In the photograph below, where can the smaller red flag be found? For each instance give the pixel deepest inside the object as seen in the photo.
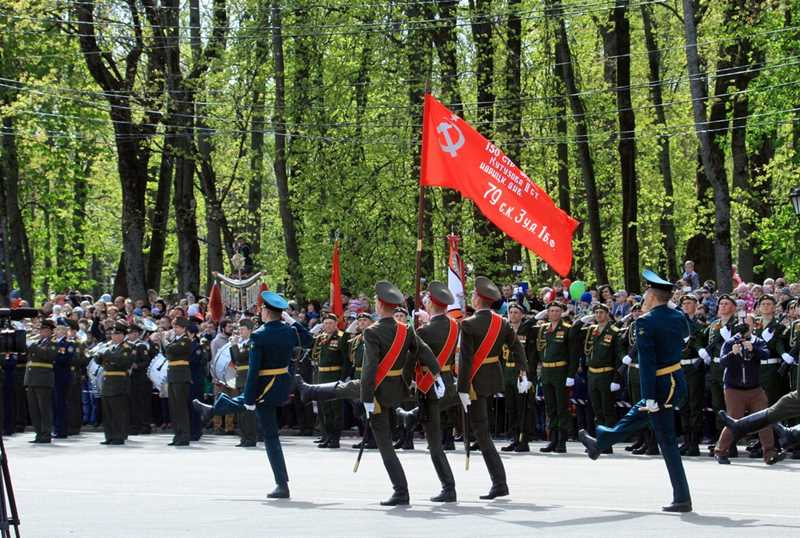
(215, 307)
(336, 287)
(260, 301)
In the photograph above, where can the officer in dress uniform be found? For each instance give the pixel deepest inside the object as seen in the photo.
(392, 351)
(556, 351)
(693, 371)
(141, 386)
(77, 367)
(269, 381)
(768, 328)
(39, 381)
(661, 335)
(484, 336)
(179, 379)
(519, 407)
(646, 442)
(62, 377)
(603, 359)
(329, 353)
(355, 351)
(717, 333)
(240, 355)
(441, 335)
(198, 366)
(116, 362)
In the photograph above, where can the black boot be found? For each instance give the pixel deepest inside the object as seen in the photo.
(280, 492)
(788, 437)
(733, 452)
(408, 440)
(694, 445)
(749, 424)
(448, 442)
(590, 443)
(551, 446)
(204, 410)
(681, 507)
(511, 447)
(522, 447)
(637, 444)
(320, 393)
(652, 444)
(561, 446)
(333, 441)
(398, 498)
(448, 495)
(497, 490)
(408, 419)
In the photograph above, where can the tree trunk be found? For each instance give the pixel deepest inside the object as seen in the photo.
(512, 125)
(255, 187)
(627, 149)
(667, 220)
(20, 257)
(281, 179)
(708, 131)
(159, 218)
(564, 58)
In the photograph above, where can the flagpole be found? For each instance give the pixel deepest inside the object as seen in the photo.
(420, 227)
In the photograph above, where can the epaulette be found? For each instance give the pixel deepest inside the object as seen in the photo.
(566, 325)
(340, 333)
(615, 329)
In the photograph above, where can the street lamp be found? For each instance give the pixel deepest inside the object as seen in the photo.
(795, 197)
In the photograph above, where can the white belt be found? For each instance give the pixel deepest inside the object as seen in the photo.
(634, 364)
(716, 359)
(689, 362)
(771, 361)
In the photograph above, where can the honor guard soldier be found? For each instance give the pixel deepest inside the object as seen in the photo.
(717, 333)
(603, 358)
(484, 335)
(646, 441)
(62, 377)
(141, 386)
(694, 372)
(441, 335)
(116, 362)
(179, 379)
(519, 407)
(329, 354)
(240, 355)
(39, 381)
(661, 334)
(392, 351)
(556, 351)
(269, 381)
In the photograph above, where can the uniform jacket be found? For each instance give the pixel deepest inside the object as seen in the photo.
(435, 334)
(557, 345)
(489, 378)
(240, 356)
(117, 359)
(330, 351)
(42, 351)
(179, 349)
(660, 336)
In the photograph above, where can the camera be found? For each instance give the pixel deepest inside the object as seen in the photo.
(12, 340)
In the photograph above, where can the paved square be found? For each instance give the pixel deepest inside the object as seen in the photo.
(78, 488)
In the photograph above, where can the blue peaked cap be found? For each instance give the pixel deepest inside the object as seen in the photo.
(274, 300)
(656, 281)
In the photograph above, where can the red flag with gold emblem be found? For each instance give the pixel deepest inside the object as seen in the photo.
(456, 156)
(336, 287)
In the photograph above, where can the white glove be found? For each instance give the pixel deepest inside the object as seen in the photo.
(704, 355)
(788, 359)
(627, 360)
(587, 319)
(767, 335)
(570, 382)
(250, 407)
(651, 406)
(523, 385)
(725, 332)
(369, 407)
(464, 397)
(438, 387)
(615, 387)
(286, 317)
(541, 315)
(413, 384)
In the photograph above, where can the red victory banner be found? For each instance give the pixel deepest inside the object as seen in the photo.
(336, 287)
(456, 156)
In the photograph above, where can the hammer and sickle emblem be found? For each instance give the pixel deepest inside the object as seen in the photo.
(451, 146)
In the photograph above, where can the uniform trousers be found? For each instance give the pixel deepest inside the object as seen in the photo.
(432, 424)
(115, 417)
(178, 394)
(40, 406)
(479, 424)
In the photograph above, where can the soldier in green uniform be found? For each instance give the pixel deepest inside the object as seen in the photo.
(694, 372)
(179, 379)
(767, 327)
(441, 335)
(484, 336)
(39, 381)
(716, 334)
(603, 358)
(240, 352)
(116, 362)
(329, 353)
(355, 353)
(392, 351)
(141, 386)
(555, 350)
(519, 407)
